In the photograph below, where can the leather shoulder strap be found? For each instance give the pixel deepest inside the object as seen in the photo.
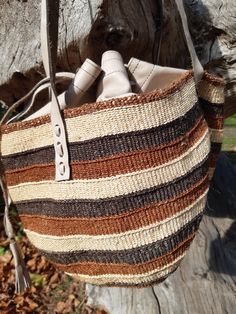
(197, 67)
(49, 35)
(49, 38)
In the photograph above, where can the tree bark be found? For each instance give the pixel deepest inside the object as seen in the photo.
(88, 28)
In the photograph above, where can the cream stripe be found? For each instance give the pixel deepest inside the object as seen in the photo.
(211, 93)
(216, 135)
(117, 185)
(123, 241)
(117, 278)
(106, 122)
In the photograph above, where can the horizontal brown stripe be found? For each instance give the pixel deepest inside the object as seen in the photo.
(134, 256)
(214, 154)
(91, 268)
(119, 164)
(110, 145)
(115, 224)
(213, 79)
(214, 123)
(115, 205)
(213, 158)
(97, 106)
(138, 285)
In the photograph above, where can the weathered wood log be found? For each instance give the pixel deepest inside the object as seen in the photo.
(88, 28)
(205, 282)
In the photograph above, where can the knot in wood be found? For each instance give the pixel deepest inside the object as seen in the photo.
(117, 36)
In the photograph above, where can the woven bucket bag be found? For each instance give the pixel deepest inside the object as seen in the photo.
(113, 192)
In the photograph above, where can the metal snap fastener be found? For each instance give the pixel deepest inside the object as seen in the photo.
(59, 149)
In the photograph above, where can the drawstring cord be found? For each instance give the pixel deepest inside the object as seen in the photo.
(22, 278)
(32, 94)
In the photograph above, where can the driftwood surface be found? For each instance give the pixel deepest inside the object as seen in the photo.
(205, 283)
(88, 28)
(206, 280)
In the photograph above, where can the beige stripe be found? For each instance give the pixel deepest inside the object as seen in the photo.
(216, 135)
(106, 122)
(211, 93)
(132, 279)
(123, 241)
(114, 186)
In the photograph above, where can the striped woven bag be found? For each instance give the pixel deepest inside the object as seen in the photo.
(113, 192)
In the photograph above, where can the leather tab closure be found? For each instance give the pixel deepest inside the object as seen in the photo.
(62, 167)
(49, 37)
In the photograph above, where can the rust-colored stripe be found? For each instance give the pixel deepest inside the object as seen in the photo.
(214, 123)
(139, 285)
(141, 254)
(114, 165)
(109, 145)
(213, 158)
(91, 268)
(213, 79)
(116, 205)
(115, 224)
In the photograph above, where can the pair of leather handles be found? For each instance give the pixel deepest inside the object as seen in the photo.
(49, 37)
(49, 44)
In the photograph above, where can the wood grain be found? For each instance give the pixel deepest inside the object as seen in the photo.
(205, 283)
(88, 28)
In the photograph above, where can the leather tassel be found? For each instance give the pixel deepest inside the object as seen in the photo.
(22, 281)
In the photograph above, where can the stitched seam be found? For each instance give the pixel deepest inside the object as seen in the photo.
(148, 76)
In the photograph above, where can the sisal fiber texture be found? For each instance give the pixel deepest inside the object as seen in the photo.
(140, 171)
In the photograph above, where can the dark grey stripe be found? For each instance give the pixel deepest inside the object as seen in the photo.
(215, 148)
(115, 205)
(109, 145)
(134, 256)
(211, 109)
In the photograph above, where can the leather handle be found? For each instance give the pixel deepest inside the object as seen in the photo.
(49, 38)
(49, 35)
(197, 67)
(49, 42)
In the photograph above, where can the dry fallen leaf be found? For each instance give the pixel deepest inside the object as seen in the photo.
(52, 291)
(60, 307)
(6, 257)
(32, 305)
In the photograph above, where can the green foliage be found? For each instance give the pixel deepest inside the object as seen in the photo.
(2, 251)
(231, 122)
(229, 142)
(37, 280)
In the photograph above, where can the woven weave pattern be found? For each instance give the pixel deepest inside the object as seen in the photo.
(211, 100)
(139, 182)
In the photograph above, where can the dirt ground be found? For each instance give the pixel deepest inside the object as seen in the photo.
(52, 292)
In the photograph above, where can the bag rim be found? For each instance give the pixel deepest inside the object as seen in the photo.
(89, 108)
